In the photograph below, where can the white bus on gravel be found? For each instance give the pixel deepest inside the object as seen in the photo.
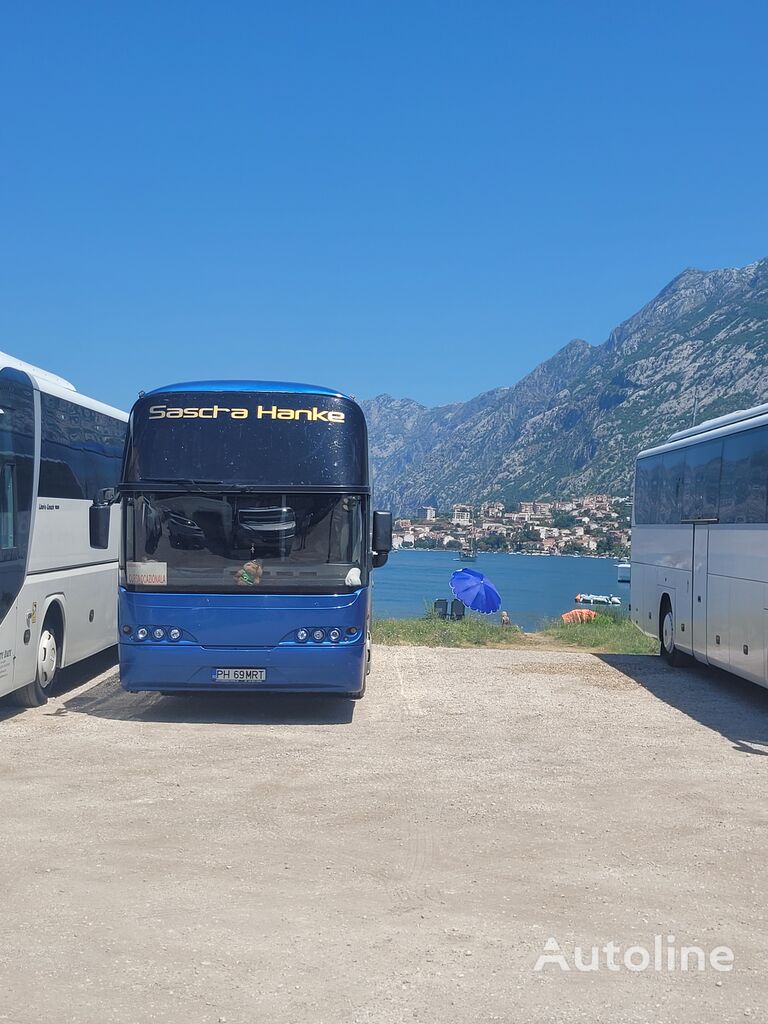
(700, 544)
(58, 596)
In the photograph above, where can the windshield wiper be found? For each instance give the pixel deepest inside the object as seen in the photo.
(182, 484)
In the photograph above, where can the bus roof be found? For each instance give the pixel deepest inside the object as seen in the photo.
(35, 371)
(720, 421)
(52, 384)
(276, 386)
(721, 426)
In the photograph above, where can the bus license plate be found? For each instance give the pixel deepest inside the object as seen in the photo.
(239, 675)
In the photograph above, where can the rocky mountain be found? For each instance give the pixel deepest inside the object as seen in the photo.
(576, 422)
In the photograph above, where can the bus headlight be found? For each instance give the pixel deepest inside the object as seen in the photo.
(318, 635)
(334, 635)
(158, 633)
(142, 633)
(302, 635)
(174, 633)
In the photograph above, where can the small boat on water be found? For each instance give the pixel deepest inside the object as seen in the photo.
(597, 599)
(623, 572)
(468, 554)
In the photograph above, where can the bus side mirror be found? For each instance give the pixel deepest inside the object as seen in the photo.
(98, 518)
(382, 538)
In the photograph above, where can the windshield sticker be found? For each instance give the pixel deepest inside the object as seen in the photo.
(147, 574)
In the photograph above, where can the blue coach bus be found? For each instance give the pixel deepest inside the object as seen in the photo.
(248, 540)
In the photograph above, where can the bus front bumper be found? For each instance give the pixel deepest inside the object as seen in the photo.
(189, 668)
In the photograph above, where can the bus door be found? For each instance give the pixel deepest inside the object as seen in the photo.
(699, 586)
(17, 461)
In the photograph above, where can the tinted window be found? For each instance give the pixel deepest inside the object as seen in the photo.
(744, 487)
(7, 506)
(81, 450)
(701, 483)
(671, 486)
(647, 480)
(17, 446)
(252, 438)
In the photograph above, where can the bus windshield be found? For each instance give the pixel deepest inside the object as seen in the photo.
(245, 541)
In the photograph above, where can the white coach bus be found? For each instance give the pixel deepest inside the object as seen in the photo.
(58, 595)
(700, 544)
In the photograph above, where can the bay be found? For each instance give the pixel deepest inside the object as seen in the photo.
(533, 588)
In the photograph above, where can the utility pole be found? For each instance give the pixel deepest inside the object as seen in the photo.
(695, 406)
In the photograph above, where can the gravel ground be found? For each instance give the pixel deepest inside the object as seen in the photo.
(287, 859)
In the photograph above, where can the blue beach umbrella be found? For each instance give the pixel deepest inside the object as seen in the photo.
(475, 591)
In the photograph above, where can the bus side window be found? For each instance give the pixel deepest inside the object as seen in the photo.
(701, 484)
(671, 488)
(7, 507)
(647, 483)
(744, 483)
(80, 451)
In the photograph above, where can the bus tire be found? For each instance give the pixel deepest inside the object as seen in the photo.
(669, 651)
(36, 693)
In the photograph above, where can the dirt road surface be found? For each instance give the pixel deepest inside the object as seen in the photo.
(406, 858)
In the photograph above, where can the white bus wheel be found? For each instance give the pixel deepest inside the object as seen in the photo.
(47, 658)
(669, 651)
(36, 693)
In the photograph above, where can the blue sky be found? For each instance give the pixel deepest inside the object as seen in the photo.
(413, 197)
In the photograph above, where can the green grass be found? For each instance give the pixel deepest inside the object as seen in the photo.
(430, 631)
(609, 634)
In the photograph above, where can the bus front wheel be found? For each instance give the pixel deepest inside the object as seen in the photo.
(36, 693)
(669, 651)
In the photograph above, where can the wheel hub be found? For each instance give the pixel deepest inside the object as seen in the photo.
(46, 658)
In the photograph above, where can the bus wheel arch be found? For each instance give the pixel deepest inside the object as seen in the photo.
(671, 654)
(53, 614)
(56, 617)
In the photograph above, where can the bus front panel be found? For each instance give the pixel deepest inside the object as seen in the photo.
(280, 642)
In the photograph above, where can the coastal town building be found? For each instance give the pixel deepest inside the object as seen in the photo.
(462, 514)
(492, 509)
(597, 502)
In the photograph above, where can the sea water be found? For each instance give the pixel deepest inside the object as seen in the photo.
(533, 588)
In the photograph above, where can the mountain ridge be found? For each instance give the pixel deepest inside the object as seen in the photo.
(576, 421)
